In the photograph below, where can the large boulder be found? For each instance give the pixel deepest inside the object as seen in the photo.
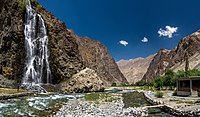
(85, 81)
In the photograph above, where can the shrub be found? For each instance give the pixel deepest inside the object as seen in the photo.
(114, 84)
(39, 7)
(158, 83)
(159, 94)
(140, 83)
(22, 5)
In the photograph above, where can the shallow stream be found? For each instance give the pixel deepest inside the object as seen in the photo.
(45, 105)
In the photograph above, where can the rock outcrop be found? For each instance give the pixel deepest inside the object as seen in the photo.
(66, 55)
(134, 69)
(12, 51)
(85, 81)
(175, 59)
(96, 57)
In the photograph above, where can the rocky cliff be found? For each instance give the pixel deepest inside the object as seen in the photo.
(134, 69)
(11, 39)
(175, 59)
(96, 57)
(66, 55)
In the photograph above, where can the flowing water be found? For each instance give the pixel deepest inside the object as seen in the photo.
(40, 106)
(37, 70)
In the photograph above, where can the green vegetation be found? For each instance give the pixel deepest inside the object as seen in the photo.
(101, 97)
(39, 7)
(184, 101)
(92, 96)
(134, 99)
(114, 84)
(169, 79)
(159, 94)
(10, 91)
(22, 5)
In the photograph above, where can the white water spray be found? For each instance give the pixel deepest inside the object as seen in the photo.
(37, 69)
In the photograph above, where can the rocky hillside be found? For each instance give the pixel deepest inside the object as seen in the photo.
(96, 57)
(134, 69)
(175, 59)
(12, 51)
(66, 55)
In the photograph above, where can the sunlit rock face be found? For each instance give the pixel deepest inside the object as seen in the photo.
(175, 59)
(134, 69)
(85, 81)
(96, 57)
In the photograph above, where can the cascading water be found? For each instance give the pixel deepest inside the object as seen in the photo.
(37, 69)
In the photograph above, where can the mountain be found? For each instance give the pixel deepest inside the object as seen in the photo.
(69, 54)
(134, 69)
(175, 59)
(96, 57)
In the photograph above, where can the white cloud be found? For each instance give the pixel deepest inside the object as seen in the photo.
(144, 40)
(169, 31)
(124, 43)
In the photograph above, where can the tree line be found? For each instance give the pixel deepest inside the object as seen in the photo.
(168, 79)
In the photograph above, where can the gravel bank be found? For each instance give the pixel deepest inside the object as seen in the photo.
(81, 108)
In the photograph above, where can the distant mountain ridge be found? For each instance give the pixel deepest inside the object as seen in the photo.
(175, 59)
(134, 69)
(147, 69)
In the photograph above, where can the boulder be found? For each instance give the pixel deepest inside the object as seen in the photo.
(85, 81)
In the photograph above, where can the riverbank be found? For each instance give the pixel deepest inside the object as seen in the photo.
(178, 106)
(83, 108)
(6, 93)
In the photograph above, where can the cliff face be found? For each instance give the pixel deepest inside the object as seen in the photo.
(134, 69)
(11, 40)
(66, 55)
(175, 59)
(96, 57)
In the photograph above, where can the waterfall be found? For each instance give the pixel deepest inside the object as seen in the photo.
(36, 69)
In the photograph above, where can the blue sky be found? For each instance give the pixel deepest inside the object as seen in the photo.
(112, 21)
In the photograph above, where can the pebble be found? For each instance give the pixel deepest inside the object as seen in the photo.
(81, 108)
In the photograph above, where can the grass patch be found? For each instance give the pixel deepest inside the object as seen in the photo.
(159, 94)
(22, 5)
(11, 91)
(101, 97)
(134, 99)
(187, 102)
(92, 96)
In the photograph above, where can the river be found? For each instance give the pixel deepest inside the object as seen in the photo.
(46, 105)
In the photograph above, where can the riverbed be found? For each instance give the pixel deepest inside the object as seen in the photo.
(122, 103)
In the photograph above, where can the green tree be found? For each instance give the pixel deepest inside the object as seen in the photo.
(167, 79)
(158, 83)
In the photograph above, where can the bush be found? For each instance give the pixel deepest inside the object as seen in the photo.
(140, 83)
(158, 83)
(114, 84)
(22, 5)
(39, 7)
(159, 94)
